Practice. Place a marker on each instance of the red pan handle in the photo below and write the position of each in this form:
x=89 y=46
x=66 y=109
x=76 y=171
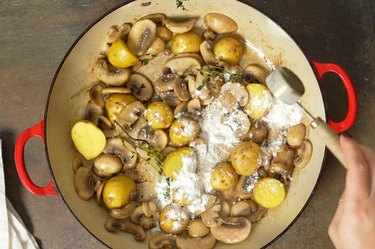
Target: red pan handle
x=323 y=68
x=38 y=131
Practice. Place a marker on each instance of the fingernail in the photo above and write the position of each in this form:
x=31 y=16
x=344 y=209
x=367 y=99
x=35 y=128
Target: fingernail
x=346 y=134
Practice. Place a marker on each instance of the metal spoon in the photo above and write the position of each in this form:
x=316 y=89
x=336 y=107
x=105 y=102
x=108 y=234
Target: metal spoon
x=287 y=87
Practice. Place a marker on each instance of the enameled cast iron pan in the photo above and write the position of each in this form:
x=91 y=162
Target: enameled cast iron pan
x=261 y=34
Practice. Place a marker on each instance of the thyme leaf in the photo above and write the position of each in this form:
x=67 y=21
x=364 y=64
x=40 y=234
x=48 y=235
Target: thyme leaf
x=211 y=70
x=82 y=91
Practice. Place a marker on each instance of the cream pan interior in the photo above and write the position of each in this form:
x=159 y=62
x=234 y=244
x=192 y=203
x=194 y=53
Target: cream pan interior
x=75 y=73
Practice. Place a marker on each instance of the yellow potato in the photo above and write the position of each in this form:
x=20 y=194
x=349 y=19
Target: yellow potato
x=260 y=100
x=120 y=56
x=173 y=163
x=159 y=115
x=269 y=192
x=245 y=158
x=88 y=139
x=183 y=131
x=117 y=191
x=116 y=102
x=223 y=177
x=173 y=219
x=229 y=49
x=188 y=42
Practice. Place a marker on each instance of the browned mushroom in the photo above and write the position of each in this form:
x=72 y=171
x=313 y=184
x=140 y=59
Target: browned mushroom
x=99 y=192
x=159 y=140
x=141 y=36
x=84 y=183
x=105 y=165
x=238 y=91
x=240 y=208
x=257 y=211
x=194 y=105
x=110 y=90
x=115 y=32
x=156 y=47
x=113 y=225
x=123 y=212
x=180 y=109
x=116 y=147
x=304 y=154
x=207 y=242
x=157 y=18
x=170 y=98
x=207 y=53
x=245 y=186
x=197 y=229
x=181 y=90
x=77 y=163
x=296 y=135
x=162 y=241
x=164 y=33
x=109 y=74
x=149 y=208
x=255 y=73
x=96 y=95
x=220 y=23
x=180 y=26
x=233 y=230
x=180 y=64
x=140 y=87
x=93 y=112
x=131 y=113
x=258 y=132
x=166 y=82
x=209 y=35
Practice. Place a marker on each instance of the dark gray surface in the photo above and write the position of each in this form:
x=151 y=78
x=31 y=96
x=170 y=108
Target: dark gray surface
x=36 y=34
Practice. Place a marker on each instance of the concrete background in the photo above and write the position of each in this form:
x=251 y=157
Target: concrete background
x=35 y=35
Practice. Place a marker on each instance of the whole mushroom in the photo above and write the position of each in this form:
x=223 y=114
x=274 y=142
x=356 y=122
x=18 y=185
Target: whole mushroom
x=233 y=230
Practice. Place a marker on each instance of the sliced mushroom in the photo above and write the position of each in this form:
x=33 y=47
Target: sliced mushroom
x=96 y=95
x=233 y=230
x=149 y=208
x=110 y=75
x=99 y=192
x=156 y=47
x=141 y=36
x=93 y=112
x=229 y=102
x=209 y=35
x=180 y=109
x=238 y=91
x=220 y=23
x=116 y=147
x=168 y=150
x=159 y=140
x=279 y=170
x=181 y=90
x=170 y=98
x=124 y=212
x=296 y=135
x=136 y=214
x=157 y=18
x=255 y=73
x=77 y=163
x=197 y=229
x=127 y=226
x=146 y=191
x=240 y=208
x=225 y=209
x=257 y=211
x=106 y=165
x=164 y=33
x=245 y=186
x=110 y=90
x=84 y=182
x=104 y=122
x=179 y=65
x=180 y=27
x=115 y=32
x=166 y=82
x=258 y=132
x=131 y=113
x=285 y=155
x=207 y=242
x=304 y=154
x=207 y=53
x=194 y=105
x=210 y=216
x=162 y=241
x=140 y=87
x=238 y=121
x=148 y=222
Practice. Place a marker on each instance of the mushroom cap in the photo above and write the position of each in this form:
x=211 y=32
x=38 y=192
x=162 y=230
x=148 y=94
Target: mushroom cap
x=285 y=155
x=170 y=98
x=220 y=23
x=210 y=216
x=157 y=18
x=197 y=229
x=117 y=147
x=238 y=91
x=159 y=140
x=180 y=109
x=233 y=230
x=240 y=208
x=96 y=95
x=194 y=105
x=181 y=90
x=115 y=32
x=93 y=112
x=123 y=212
x=157 y=46
x=106 y=165
x=255 y=73
x=296 y=135
x=180 y=64
x=149 y=208
x=140 y=87
x=166 y=82
x=207 y=53
x=162 y=241
x=304 y=154
x=84 y=183
x=110 y=75
x=141 y=36
x=131 y=113
x=207 y=242
x=164 y=33
x=209 y=35
x=180 y=27
x=110 y=90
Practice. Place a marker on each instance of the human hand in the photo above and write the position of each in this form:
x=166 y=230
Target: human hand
x=353 y=226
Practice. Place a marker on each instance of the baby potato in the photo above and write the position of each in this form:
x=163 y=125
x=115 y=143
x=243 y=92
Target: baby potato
x=229 y=49
x=188 y=42
x=88 y=139
x=159 y=115
x=245 y=158
x=116 y=102
x=269 y=192
x=260 y=100
x=117 y=191
x=223 y=177
x=173 y=162
x=120 y=56
x=173 y=219
x=183 y=131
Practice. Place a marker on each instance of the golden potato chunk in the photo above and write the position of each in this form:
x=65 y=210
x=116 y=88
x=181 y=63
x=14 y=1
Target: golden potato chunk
x=223 y=177
x=173 y=219
x=159 y=115
x=120 y=56
x=117 y=191
x=260 y=100
x=88 y=139
x=245 y=158
x=183 y=131
x=229 y=49
x=174 y=161
x=269 y=192
x=188 y=42
x=115 y=103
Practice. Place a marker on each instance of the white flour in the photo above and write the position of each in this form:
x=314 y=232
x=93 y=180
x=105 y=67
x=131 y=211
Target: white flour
x=282 y=115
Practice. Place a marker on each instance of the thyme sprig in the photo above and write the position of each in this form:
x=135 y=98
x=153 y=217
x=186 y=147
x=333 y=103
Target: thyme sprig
x=148 y=148
x=211 y=70
x=82 y=91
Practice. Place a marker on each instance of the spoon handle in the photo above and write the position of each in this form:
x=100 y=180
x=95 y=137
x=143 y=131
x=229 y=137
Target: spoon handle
x=330 y=138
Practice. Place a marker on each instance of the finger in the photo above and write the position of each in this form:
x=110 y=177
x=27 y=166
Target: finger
x=358 y=176
x=337 y=218
x=369 y=155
